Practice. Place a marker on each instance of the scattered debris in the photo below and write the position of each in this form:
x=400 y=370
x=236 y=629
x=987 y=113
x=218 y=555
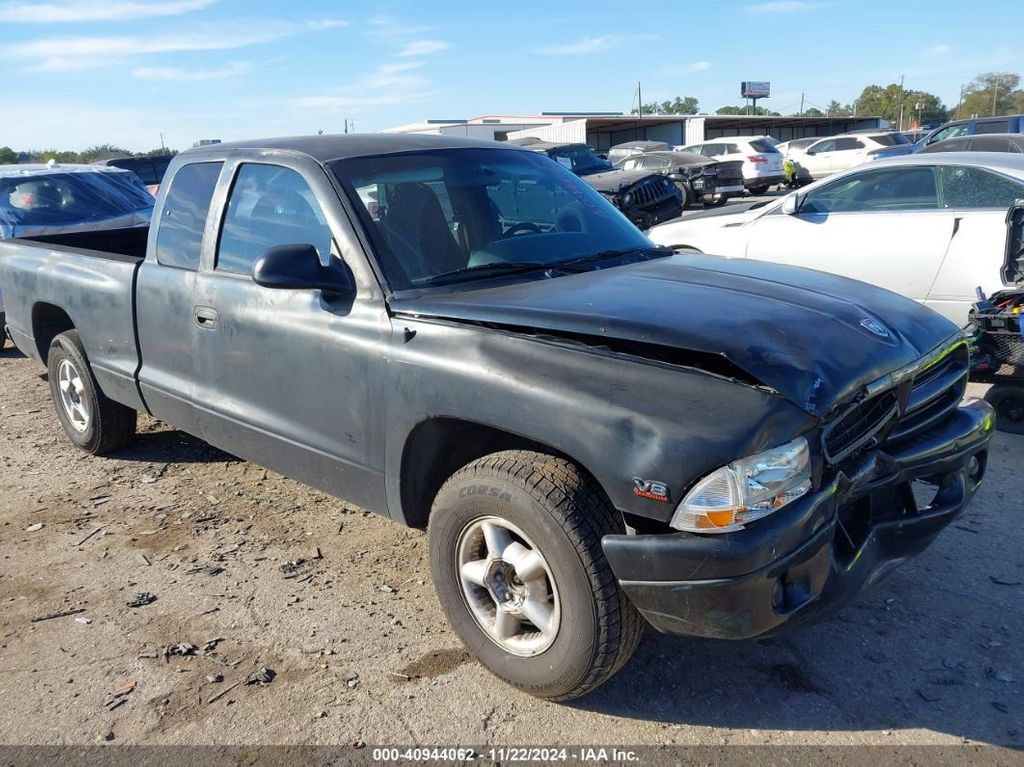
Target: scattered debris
x=142 y=599
x=291 y=567
x=351 y=678
x=221 y=693
x=144 y=559
x=215 y=678
x=183 y=649
x=208 y=570
x=61 y=614
x=263 y=677
x=88 y=536
x=387 y=589
x=357 y=744
x=83 y=621
x=106 y=736
x=34 y=528
x=211 y=644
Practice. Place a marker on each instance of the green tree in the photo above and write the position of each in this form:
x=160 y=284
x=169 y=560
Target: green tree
x=835 y=109
x=813 y=112
x=8 y=156
x=992 y=93
x=745 y=110
x=681 y=105
x=892 y=101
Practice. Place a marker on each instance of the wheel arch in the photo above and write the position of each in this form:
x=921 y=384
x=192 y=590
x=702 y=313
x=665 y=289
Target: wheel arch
x=438 y=447
x=48 y=322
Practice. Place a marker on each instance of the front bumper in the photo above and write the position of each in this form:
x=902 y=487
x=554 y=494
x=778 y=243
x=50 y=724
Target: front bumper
x=663 y=210
x=814 y=555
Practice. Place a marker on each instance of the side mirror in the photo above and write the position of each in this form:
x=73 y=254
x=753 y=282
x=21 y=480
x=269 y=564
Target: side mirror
x=298 y=267
x=791 y=204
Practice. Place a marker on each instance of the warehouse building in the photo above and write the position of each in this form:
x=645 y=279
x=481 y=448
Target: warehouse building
x=603 y=130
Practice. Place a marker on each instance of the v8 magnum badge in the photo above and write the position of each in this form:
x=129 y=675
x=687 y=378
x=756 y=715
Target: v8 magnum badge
x=652 y=489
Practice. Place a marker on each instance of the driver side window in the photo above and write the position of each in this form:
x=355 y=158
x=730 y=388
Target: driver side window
x=269 y=206
x=908 y=188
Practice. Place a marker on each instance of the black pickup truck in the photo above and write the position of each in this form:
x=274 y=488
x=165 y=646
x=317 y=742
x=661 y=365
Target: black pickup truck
x=464 y=336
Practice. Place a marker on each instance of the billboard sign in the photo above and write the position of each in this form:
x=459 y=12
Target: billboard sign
x=755 y=89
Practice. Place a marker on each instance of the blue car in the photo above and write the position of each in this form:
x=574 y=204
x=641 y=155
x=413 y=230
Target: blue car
x=53 y=199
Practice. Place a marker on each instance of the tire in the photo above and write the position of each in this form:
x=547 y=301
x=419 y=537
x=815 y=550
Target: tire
x=685 y=195
x=716 y=203
x=757 y=191
x=92 y=421
x=593 y=629
x=1008 y=402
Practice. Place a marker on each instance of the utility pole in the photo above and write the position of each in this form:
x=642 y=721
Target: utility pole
x=902 y=97
x=960 y=103
x=163 y=147
x=639 y=108
x=801 y=104
x=995 y=96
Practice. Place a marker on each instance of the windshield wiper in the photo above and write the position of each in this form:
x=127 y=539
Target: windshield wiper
x=602 y=255
x=496 y=267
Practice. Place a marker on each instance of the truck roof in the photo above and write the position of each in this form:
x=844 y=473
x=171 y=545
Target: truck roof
x=344 y=146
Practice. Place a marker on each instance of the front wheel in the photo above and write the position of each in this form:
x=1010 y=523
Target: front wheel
x=515 y=552
x=757 y=191
x=92 y=421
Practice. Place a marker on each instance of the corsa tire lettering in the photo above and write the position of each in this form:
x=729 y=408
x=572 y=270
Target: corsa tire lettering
x=485 y=491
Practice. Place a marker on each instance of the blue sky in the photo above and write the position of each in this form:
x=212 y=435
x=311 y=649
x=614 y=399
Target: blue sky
x=85 y=72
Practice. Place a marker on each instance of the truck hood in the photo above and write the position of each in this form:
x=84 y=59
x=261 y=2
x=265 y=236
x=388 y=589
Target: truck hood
x=614 y=181
x=814 y=338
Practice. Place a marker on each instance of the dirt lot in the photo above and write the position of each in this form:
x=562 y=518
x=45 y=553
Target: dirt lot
x=251 y=570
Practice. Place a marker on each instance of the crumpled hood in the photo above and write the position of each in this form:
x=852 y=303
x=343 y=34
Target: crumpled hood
x=614 y=181
x=801 y=332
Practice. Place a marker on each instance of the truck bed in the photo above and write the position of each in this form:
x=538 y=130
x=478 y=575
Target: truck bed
x=85 y=280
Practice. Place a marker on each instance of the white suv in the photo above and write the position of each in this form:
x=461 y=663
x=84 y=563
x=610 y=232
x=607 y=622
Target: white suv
x=762 y=162
x=835 y=153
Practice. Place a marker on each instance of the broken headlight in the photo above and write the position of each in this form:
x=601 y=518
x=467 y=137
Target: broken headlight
x=745 y=490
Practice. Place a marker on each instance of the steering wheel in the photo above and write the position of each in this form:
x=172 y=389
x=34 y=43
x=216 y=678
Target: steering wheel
x=522 y=226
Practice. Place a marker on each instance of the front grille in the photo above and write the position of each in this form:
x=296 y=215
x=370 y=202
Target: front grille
x=858 y=425
x=935 y=391
x=917 y=401
x=651 y=191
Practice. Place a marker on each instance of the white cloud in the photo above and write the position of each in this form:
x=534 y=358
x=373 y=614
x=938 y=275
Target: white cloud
x=387 y=85
x=176 y=74
x=784 y=6
x=590 y=45
x=699 y=66
x=91 y=10
x=939 y=50
x=64 y=54
x=423 y=47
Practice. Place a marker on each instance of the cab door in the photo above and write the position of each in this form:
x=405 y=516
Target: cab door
x=883 y=226
x=816 y=160
x=290 y=377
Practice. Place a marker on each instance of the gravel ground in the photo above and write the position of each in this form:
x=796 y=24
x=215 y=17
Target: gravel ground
x=252 y=571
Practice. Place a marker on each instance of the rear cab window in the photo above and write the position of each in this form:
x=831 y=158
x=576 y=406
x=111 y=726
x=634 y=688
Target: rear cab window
x=179 y=240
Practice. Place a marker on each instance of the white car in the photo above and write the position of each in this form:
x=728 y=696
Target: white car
x=838 y=153
x=762 y=162
x=929 y=226
x=786 y=148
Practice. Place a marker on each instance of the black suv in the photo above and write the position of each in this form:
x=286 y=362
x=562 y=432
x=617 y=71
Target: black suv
x=645 y=198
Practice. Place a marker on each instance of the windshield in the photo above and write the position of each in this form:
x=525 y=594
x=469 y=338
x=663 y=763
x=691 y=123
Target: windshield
x=435 y=212
x=580 y=159
x=65 y=200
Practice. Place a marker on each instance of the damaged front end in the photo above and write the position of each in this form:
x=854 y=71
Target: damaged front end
x=647 y=202
x=889 y=471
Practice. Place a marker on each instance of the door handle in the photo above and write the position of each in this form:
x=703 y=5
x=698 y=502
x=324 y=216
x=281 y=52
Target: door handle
x=205 y=317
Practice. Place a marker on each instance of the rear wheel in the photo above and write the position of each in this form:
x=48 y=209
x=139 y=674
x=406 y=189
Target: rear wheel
x=91 y=420
x=515 y=552
x=757 y=191
x=1008 y=402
